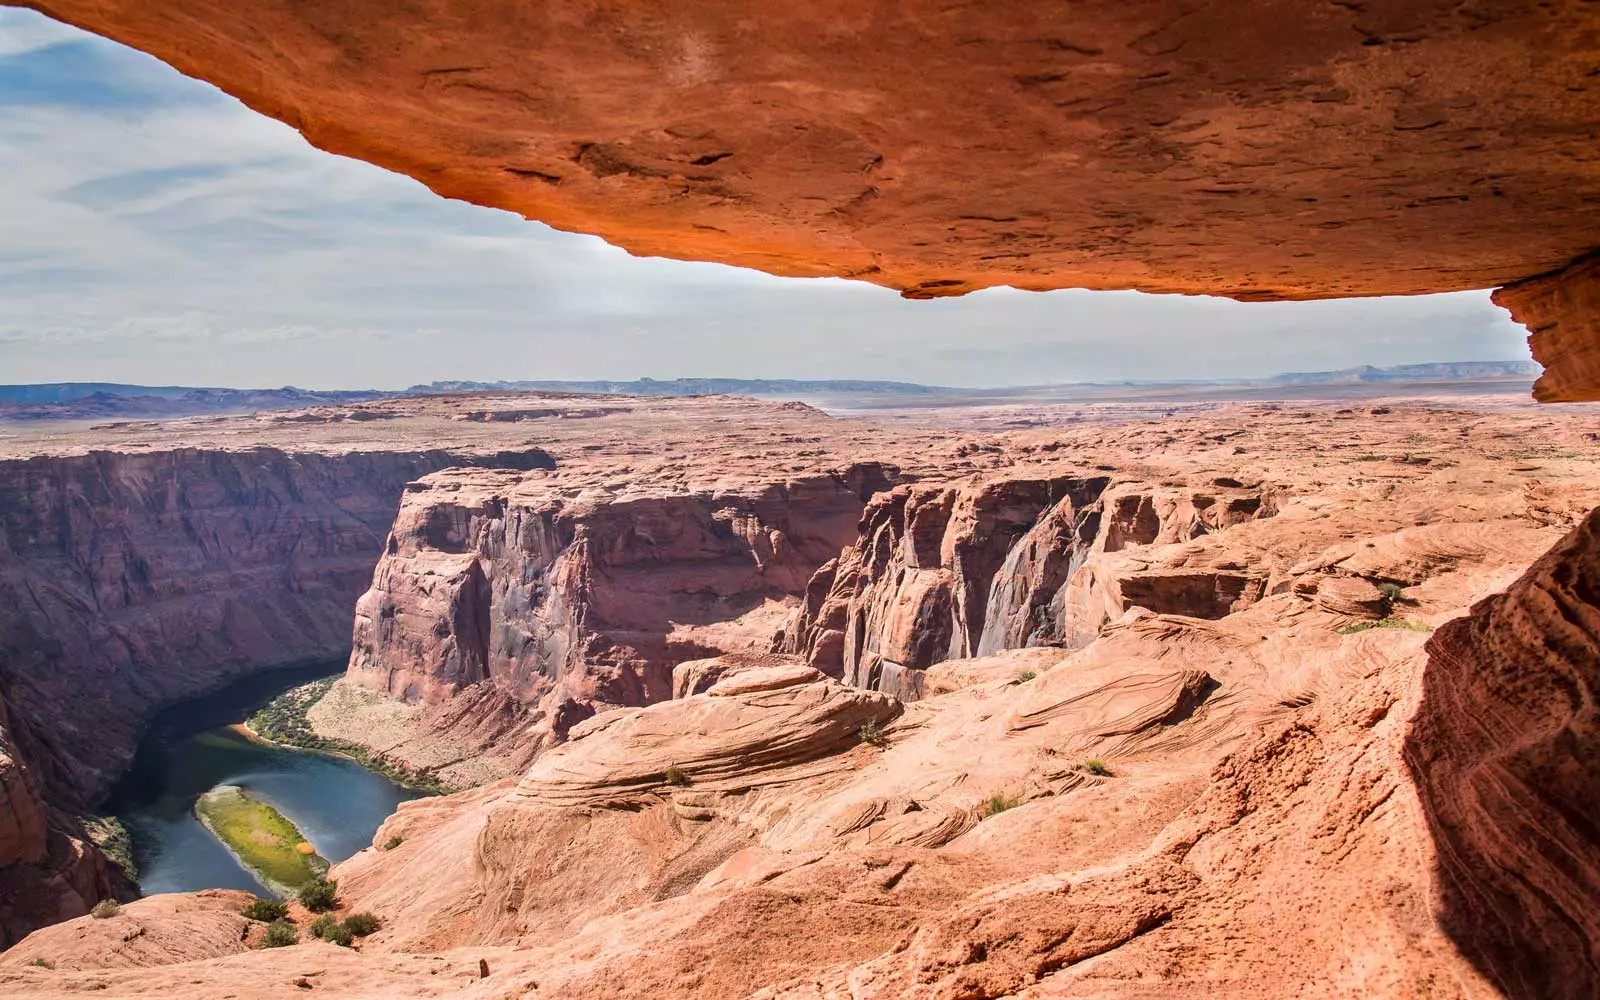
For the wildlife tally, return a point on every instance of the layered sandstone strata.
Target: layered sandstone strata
(943, 572)
(1505, 752)
(1184, 806)
(128, 581)
(565, 598)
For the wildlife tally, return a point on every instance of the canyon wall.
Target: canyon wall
(128, 581)
(943, 572)
(561, 600)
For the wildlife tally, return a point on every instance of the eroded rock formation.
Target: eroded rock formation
(1505, 751)
(1271, 151)
(944, 572)
(1194, 800)
(128, 581)
(567, 599)
(1562, 314)
(1267, 151)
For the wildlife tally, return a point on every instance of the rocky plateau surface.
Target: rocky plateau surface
(1250, 700)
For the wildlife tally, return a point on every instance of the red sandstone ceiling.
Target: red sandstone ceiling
(1253, 148)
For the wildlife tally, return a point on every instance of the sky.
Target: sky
(156, 231)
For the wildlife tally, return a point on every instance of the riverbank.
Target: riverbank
(262, 840)
(283, 722)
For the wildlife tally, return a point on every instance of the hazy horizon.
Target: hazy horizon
(752, 378)
(161, 233)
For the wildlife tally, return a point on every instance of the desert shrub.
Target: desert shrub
(872, 734)
(280, 934)
(105, 908)
(1386, 623)
(1027, 675)
(266, 910)
(1096, 766)
(998, 803)
(319, 896)
(362, 924)
(39, 963)
(676, 776)
(319, 927)
(338, 934)
(393, 842)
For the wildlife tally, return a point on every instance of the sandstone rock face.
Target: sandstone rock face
(948, 572)
(569, 598)
(1505, 751)
(176, 927)
(1268, 150)
(1256, 803)
(128, 581)
(22, 827)
(1562, 314)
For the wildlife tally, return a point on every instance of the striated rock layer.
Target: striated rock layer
(1213, 797)
(128, 581)
(947, 572)
(566, 598)
(1505, 751)
(1562, 314)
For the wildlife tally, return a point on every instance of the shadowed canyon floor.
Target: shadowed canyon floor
(1204, 699)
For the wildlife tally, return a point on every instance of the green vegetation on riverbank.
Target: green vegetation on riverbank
(283, 720)
(108, 834)
(261, 838)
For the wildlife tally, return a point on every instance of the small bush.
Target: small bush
(1393, 591)
(676, 776)
(338, 934)
(39, 963)
(1368, 457)
(280, 934)
(319, 896)
(362, 924)
(1026, 676)
(872, 735)
(319, 927)
(1385, 623)
(998, 803)
(266, 910)
(393, 842)
(1098, 767)
(105, 908)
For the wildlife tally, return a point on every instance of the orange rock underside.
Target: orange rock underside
(1273, 150)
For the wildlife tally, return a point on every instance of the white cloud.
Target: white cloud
(158, 231)
(24, 31)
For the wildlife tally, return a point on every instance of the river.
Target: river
(191, 748)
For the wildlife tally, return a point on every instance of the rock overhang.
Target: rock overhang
(1272, 150)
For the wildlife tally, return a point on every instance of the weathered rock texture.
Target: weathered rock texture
(1269, 150)
(566, 598)
(168, 928)
(1505, 751)
(1183, 806)
(1562, 314)
(949, 572)
(128, 581)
